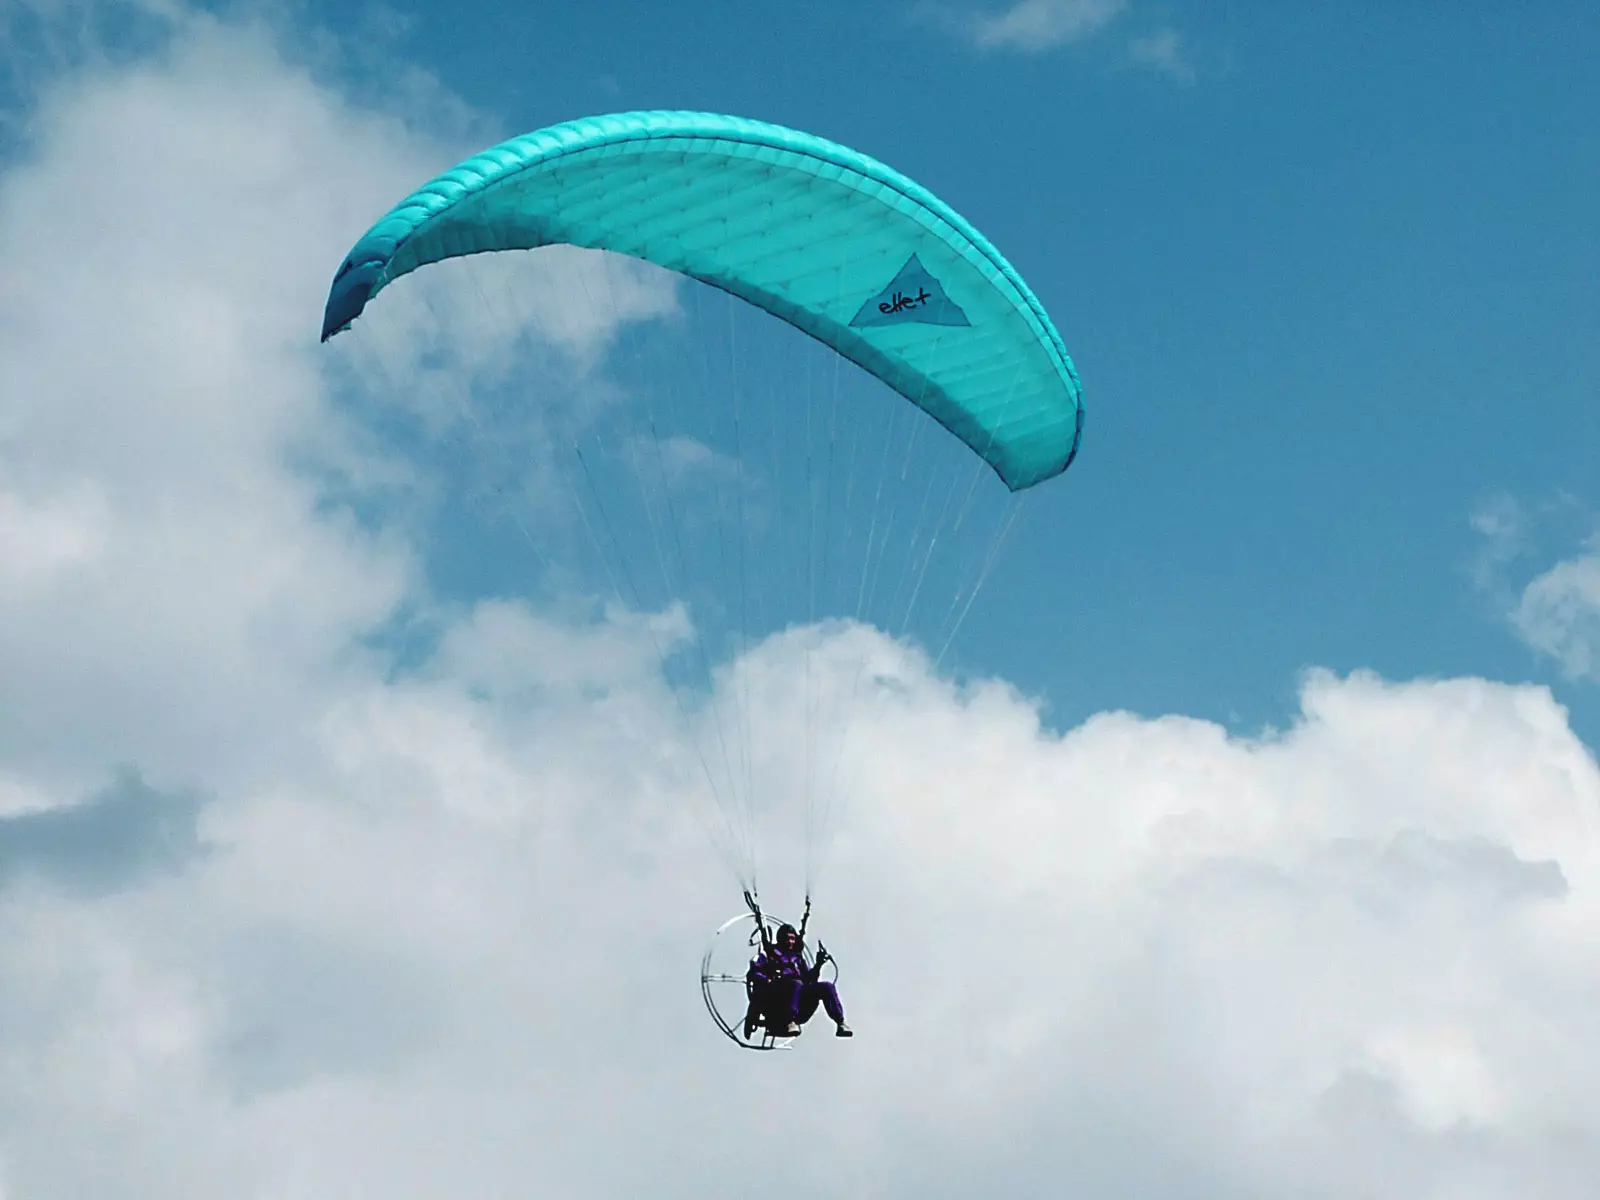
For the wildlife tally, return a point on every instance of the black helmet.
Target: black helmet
(786, 931)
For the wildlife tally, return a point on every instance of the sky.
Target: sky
(1245, 843)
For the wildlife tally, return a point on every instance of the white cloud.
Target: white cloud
(1503, 520)
(478, 319)
(1318, 956)
(42, 539)
(165, 572)
(1505, 527)
(1163, 52)
(1559, 614)
(1557, 611)
(1035, 25)
(439, 928)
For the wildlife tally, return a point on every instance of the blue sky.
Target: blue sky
(342, 854)
(1328, 277)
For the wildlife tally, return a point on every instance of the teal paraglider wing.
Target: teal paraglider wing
(831, 241)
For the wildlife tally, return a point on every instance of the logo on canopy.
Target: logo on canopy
(913, 295)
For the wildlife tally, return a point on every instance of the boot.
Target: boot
(843, 1031)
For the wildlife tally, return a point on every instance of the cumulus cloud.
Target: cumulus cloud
(426, 927)
(105, 843)
(175, 585)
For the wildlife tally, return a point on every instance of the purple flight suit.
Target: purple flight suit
(782, 988)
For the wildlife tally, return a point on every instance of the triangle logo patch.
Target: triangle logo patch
(913, 296)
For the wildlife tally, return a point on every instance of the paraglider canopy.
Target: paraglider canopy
(835, 243)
